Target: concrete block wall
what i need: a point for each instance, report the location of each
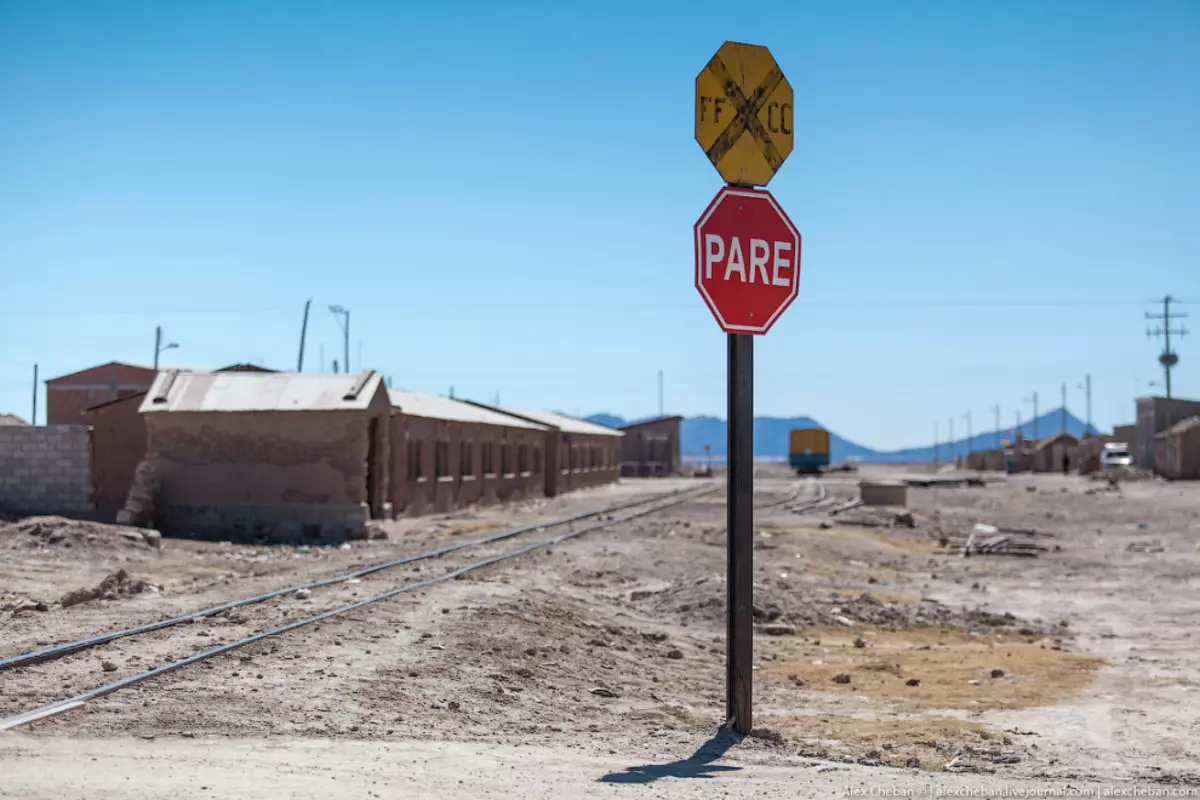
(46, 470)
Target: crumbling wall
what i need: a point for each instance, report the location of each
(46, 470)
(265, 475)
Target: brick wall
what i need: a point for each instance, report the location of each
(415, 440)
(118, 445)
(46, 470)
(280, 475)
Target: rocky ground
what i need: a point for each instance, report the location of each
(596, 666)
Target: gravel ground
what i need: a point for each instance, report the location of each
(880, 660)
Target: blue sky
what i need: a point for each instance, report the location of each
(503, 195)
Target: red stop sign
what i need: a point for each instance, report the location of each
(747, 259)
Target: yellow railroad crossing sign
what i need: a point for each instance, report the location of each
(744, 114)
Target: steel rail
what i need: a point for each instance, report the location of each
(79, 700)
(812, 505)
(60, 650)
(795, 493)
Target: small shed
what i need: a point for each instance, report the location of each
(260, 455)
(1177, 448)
(1049, 453)
(651, 448)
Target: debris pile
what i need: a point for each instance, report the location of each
(1116, 475)
(879, 518)
(991, 540)
(116, 585)
(39, 533)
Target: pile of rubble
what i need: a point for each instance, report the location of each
(117, 585)
(1117, 475)
(997, 541)
(50, 532)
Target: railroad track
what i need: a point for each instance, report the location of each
(600, 518)
(825, 501)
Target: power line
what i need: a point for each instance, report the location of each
(1168, 358)
(597, 306)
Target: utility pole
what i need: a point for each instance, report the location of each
(660, 393)
(159, 347)
(342, 315)
(997, 434)
(1034, 400)
(1064, 408)
(303, 333)
(1087, 389)
(1168, 358)
(969, 448)
(33, 416)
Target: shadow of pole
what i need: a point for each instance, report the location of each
(697, 765)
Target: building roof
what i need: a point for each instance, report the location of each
(11, 419)
(240, 367)
(260, 391)
(651, 421)
(126, 364)
(564, 423)
(432, 406)
(1183, 426)
(136, 396)
(1061, 436)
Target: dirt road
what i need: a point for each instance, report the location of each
(879, 659)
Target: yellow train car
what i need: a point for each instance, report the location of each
(808, 450)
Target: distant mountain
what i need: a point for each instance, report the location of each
(608, 420)
(771, 438)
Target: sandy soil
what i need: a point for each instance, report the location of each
(880, 660)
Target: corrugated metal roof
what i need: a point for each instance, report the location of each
(260, 391)
(11, 419)
(565, 423)
(434, 407)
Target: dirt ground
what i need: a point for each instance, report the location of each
(596, 667)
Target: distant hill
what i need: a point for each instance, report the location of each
(771, 438)
(607, 420)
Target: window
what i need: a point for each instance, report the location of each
(505, 459)
(487, 461)
(464, 459)
(523, 458)
(414, 461)
(441, 459)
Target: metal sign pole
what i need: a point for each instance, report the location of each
(739, 648)
(744, 124)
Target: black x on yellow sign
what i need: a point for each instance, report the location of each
(744, 114)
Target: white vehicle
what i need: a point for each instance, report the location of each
(1115, 454)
